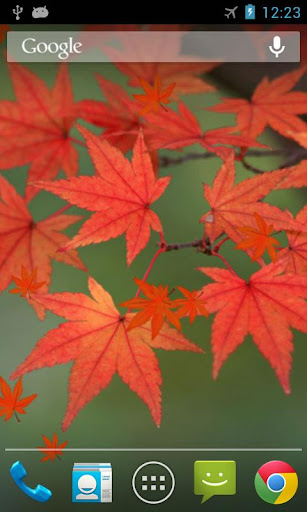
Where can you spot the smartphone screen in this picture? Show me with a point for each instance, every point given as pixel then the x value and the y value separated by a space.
pixel 153 258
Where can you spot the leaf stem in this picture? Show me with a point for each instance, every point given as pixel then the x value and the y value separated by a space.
pixel 206 249
pixel 17 417
pixel 151 264
pixel 224 261
pixel 59 212
pixel 219 245
pixel 175 247
pixel 77 141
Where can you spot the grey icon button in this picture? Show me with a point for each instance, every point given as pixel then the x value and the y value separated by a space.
pixel 17 11
pixel 153 482
pixel 230 12
pixel 40 12
pixel 277 48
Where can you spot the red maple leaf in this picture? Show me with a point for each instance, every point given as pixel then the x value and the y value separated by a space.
pixel 258 238
pixel 155 96
pixel 170 44
pixel 157 307
pixel 300 137
pixel 121 194
pixel 182 73
pixel 26 284
pixel 233 206
pixel 294 177
pixel 172 130
pixel 11 401
pixel 97 340
pixel 31 244
pixel 272 104
pixel 54 449
pixel 265 306
pixel 4 29
pixel 295 254
pixel 119 115
pixel 35 129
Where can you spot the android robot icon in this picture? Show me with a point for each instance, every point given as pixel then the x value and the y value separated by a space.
pixel 40 12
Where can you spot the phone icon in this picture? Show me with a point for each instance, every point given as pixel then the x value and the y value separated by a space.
pixel 40 493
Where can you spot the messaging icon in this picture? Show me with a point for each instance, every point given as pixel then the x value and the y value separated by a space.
pixel 214 478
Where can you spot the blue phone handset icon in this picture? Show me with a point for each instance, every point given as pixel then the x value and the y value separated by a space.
pixel 40 493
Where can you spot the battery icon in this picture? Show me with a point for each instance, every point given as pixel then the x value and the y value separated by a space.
pixel 250 12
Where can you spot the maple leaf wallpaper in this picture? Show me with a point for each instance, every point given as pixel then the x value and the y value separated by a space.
pixel 153 269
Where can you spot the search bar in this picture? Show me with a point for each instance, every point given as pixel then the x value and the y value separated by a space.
pixel 142 46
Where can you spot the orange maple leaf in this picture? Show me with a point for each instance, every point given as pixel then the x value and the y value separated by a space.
pixel 176 130
pixel 35 128
pixel 265 306
pixel 260 239
pixel 157 307
pixel 54 449
pixel 120 193
pixel 31 244
pixel 154 96
pixel 272 104
pixel 11 401
pixel 191 304
pixel 295 254
pixel 293 177
pixel 4 29
pixel 97 340
pixel 182 72
pixel 27 284
pixel 233 205
pixel 118 115
pixel 300 137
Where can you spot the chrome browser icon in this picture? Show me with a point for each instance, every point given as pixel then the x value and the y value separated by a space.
pixel 276 482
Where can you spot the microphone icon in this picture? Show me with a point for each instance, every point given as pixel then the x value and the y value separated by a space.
pixel 277 49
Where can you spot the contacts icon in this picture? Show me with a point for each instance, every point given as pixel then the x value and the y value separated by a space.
pixel 92 482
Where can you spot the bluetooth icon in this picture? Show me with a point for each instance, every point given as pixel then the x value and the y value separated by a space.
pixel 250 12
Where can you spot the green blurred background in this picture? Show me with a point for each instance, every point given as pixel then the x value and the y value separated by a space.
pixel 245 407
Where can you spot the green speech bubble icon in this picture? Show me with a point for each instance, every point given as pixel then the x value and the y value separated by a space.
pixel 214 478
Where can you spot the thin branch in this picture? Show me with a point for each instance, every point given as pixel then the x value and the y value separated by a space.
pixel 187 245
pixel 250 167
pixel 206 249
pixel 165 161
pixel 295 158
